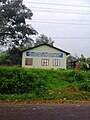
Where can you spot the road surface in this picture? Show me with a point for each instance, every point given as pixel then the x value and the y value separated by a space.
pixel 44 111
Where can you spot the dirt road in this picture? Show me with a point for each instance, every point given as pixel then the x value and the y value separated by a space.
pixel 44 111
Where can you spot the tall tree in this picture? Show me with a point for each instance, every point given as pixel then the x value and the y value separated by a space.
pixel 14 31
pixel 44 39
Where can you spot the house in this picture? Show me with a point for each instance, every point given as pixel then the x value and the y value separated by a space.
pixel 44 56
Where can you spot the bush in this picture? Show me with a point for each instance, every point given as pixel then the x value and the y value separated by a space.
pixel 85 86
pixel 39 82
pixel 18 80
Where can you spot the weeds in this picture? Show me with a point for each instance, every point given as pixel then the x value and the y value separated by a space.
pixel 37 83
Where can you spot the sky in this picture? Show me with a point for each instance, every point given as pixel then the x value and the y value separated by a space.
pixel 67 22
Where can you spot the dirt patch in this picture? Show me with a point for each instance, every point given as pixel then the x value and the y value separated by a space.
pixel 47 101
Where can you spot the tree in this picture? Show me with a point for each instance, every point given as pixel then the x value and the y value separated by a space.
pixel 3 57
pixel 88 63
pixel 13 28
pixel 71 62
pixel 82 62
pixel 43 39
pixel 12 56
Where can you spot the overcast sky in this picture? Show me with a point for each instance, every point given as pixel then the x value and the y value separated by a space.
pixel 67 22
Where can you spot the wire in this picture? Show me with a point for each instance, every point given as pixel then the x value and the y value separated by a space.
pixel 56 4
pixel 61 20
pixel 68 12
pixel 60 9
pixel 51 22
pixel 81 49
pixel 71 37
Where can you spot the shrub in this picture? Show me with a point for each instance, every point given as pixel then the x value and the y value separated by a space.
pixel 85 86
pixel 18 80
pixel 39 81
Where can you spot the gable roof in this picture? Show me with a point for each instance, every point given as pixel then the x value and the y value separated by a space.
pixel 67 53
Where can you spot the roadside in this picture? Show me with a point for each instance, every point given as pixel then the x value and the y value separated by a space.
pixel 46 102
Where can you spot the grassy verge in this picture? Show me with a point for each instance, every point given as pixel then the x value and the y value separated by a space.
pixel 74 97
pixel 37 85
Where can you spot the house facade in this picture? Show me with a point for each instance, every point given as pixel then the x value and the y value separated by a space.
pixel 44 56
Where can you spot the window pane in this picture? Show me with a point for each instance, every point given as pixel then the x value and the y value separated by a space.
pixel 56 62
pixel 45 62
pixel 29 61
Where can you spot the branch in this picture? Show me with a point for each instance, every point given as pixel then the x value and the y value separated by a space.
pixel 3 34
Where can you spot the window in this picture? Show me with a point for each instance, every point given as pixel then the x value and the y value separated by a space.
pixel 29 61
pixel 56 62
pixel 45 62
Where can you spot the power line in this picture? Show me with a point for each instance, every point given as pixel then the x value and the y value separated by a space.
pixel 65 12
pixel 51 22
pixel 60 9
pixel 67 37
pixel 56 4
pixel 71 37
pixel 57 20
pixel 81 49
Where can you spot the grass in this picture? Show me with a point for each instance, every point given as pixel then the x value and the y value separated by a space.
pixel 71 96
pixel 19 84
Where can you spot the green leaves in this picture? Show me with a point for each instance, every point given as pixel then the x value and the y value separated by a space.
pixel 44 39
pixel 14 31
pixel 15 80
pixel 12 56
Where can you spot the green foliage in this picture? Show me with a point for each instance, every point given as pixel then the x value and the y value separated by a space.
pixel 88 63
pixel 73 62
pixel 32 98
pixel 16 80
pixel 43 83
pixel 12 56
pixel 85 86
pixel 14 31
pixel 83 62
pixel 44 39
pixel 74 76
pixel 3 57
